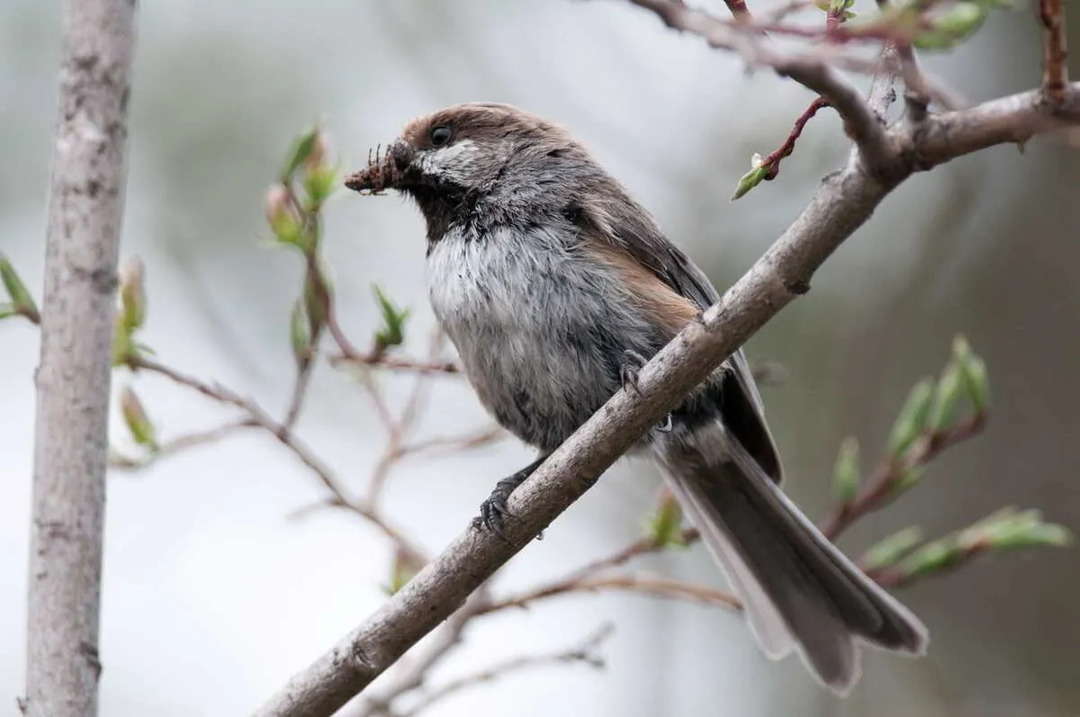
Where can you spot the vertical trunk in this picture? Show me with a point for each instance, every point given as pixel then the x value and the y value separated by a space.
pixel 85 207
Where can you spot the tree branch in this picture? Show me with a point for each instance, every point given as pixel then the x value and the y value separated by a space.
pixel 86 201
pixel 1055 74
pixel 861 123
pixel 257 416
pixel 585 652
pixel 843 202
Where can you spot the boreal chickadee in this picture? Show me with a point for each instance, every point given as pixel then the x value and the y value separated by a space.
pixel 554 284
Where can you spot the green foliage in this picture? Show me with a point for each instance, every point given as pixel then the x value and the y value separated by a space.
pixel 757 174
pixel 911 422
pixel 664 526
pixel 138 422
pixel 392 332
pixel 846 471
pixel 22 303
pixel 890 549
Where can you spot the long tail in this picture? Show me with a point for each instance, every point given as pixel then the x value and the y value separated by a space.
pixel 799 590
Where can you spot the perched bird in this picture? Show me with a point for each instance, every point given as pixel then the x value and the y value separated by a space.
pixel 554 286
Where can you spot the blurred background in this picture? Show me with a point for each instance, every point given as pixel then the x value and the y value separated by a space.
pixel 214 596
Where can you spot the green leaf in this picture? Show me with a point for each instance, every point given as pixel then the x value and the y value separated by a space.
pixel 909 476
pixel 124 349
pixel 665 525
pixel 142 430
pixel 973 373
pixel 947 396
pixel 887 551
pixel 7 310
pixel 299 152
pixel 319 183
pixel 749 180
pixel 21 300
pixel 911 422
pixel 846 471
pixel 132 294
pixel 392 332
pixel 1008 529
pixel 948 28
pixel 929 558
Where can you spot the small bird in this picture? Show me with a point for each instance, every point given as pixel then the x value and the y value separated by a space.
pixel 555 286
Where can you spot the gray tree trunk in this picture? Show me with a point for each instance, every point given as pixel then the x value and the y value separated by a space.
pixel 86 199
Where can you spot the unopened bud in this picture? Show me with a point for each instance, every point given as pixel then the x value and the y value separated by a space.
pixel 142 430
pixel 132 294
pixel 280 215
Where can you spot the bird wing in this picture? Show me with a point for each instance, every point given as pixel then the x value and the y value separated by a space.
pixel 627 227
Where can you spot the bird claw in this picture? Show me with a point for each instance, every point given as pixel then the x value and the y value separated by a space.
pixel 494 510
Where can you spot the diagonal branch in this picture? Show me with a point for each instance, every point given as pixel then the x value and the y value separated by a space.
pixel 842 203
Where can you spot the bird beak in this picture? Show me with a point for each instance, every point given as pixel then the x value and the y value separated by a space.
pixel 385 170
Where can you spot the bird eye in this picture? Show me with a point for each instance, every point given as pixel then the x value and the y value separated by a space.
pixel 440 135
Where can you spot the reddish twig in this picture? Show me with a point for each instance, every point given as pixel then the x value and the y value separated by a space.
pixel 883 486
pixel 772 162
pixel 629 582
pixel 1055 80
pixel 738 9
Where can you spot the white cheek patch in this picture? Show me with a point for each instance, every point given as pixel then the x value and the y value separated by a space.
pixel 451 163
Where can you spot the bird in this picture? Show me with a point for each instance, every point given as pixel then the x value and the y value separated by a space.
pixel 555 286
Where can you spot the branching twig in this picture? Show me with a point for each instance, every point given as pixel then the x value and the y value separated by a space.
pixel 180 443
pixel 882 488
pixel 585 652
pixel 412 674
pixel 258 416
pixel 860 122
pixel 1055 81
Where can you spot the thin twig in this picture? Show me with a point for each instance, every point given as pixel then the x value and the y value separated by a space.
pixel 642 546
pixel 628 582
pixel 178 444
pixel 412 672
pixel 861 124
pixel 916 90
pixel 398 429
pixel 883 487
pixel 463 442
pixel 300 386
pixel 259 417
pixel 1055 80
pixel 772 162
pixel 585 652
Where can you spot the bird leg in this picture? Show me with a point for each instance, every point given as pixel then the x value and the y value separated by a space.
pixel 494 510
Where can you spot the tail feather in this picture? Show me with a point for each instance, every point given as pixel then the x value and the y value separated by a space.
pixel 798 589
